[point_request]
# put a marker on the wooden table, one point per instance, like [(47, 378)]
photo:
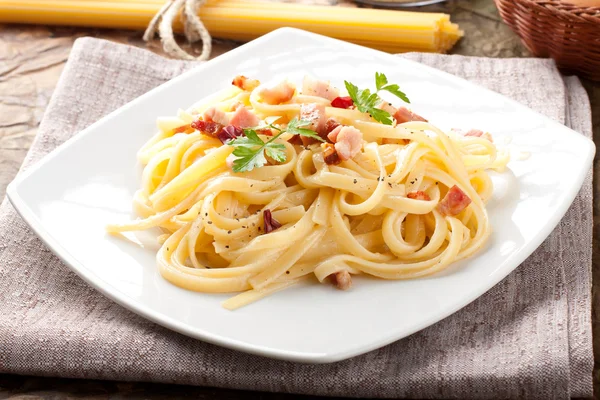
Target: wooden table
[(31, 60)]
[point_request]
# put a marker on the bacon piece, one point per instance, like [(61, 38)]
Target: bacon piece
[(341, 280), (216, 130), (228, 133), (264, 131), (348, 141), (296, 139), (213, 114), (385, 106), (330, 125), (330, 156), (453, 202), (342, 102), (316, 87), (208, 128), (243, 118), (281, 93), (403, 114), (418, 195), (182, 128), (315, 113), (244, 83), (270, 223), (332, 136)]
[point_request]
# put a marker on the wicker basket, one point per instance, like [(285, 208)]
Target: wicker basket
[(569, 34)]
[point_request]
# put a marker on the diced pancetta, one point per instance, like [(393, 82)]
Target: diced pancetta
[(418, 195), (209, 128), (348, 141), (183, 129), (228, 133), (281, 93), (330, 156), (316, 87), (244, 83), (385, 106), (332, 136), (315, 114), (403, 114), (453, 202), (341, 280), (213, 114), (244, 118), (330, 125)]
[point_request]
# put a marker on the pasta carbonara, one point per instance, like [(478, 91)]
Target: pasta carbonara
[(260, 187)]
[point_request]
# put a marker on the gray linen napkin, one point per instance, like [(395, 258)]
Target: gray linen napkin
[(530, 336)]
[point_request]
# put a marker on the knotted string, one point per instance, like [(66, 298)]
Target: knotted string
[(193, 28)]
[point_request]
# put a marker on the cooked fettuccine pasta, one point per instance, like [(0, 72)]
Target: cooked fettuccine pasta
[(260, 187)]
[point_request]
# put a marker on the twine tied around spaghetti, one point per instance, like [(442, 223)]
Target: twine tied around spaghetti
[(193, 28)]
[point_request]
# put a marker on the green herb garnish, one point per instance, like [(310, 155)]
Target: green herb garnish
[(367, 102), (250, 150)]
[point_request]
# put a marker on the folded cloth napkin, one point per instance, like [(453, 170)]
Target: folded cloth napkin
[(530, 336)]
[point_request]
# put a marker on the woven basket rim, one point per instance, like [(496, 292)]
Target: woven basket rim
[(567, 8), (567, 33)]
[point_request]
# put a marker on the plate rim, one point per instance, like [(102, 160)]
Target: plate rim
[(109, 291)]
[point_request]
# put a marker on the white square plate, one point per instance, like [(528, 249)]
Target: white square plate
[(69, 207)]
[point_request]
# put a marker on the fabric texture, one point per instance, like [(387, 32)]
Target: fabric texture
[(529, 336)]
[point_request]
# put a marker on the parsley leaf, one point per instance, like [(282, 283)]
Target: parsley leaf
[(250, 140), (380, 80), (381, 115), (367, 102), (276, 151), (248, 160), (296, 127), (250, 149), (352, 90), (395, 90)]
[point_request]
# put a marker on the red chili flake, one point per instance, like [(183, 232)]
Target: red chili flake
[(270, 223), (208, 128), (330, 156), (229, 132), (342, 102)]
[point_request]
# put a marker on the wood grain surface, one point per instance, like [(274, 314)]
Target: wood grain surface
[(31, 60)]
